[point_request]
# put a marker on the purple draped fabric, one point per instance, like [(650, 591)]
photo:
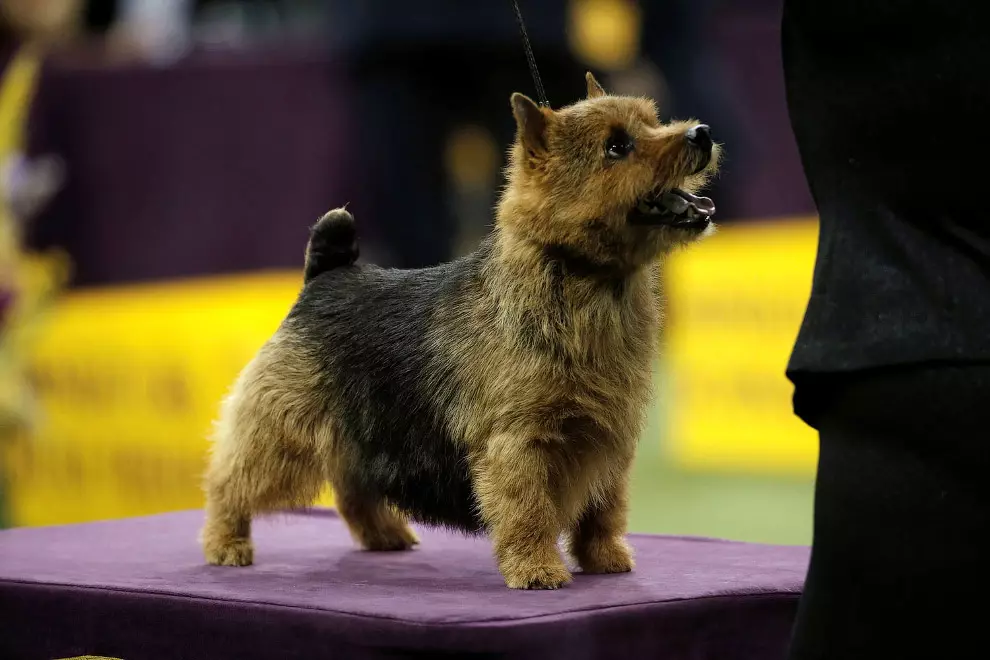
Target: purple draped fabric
[(139, 589)]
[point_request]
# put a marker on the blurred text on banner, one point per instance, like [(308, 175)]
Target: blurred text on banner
[(735, 304)]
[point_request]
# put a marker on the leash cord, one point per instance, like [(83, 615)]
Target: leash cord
[(530, 57)]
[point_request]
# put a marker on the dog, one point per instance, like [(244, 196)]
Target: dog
[(501, 393)]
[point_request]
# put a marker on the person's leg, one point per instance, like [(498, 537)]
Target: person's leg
[(902, 519)]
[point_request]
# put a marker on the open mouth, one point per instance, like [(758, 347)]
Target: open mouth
[(673, 208)]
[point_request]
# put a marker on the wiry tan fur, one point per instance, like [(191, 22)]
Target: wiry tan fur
[(547, 374)]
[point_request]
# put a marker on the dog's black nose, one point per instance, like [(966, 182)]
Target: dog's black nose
[(700, 136)]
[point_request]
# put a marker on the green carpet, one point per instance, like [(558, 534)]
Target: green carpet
[(666, 500), (745, 508)]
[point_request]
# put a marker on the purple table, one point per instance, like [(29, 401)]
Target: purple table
[(138, 589)]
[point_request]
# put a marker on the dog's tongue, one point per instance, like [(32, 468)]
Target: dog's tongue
[(678, 202)]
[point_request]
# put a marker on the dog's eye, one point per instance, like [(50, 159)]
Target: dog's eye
[(619, 144)]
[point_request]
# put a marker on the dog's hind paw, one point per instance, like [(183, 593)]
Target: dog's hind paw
[(391, 539)]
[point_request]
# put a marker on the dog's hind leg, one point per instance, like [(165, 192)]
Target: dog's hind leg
[(267, 456), (373, 523)]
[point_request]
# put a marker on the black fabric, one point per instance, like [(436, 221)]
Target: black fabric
[(902, 519), (889, 104)]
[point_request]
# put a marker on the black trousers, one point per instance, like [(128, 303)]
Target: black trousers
[(902, 518)]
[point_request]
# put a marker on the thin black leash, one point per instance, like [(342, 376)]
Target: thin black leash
[(529, 56)]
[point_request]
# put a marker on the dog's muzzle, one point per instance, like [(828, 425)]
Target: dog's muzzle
[(673, 208)]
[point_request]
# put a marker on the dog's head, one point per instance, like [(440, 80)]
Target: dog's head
[(605, 179)]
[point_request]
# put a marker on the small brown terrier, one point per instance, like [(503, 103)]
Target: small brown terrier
[(503, 392)]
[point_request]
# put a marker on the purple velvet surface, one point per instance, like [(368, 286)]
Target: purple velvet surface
[(139, 588)]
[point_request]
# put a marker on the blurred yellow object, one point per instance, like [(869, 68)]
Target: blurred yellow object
[(735, 304), (130, 380), (471, 157), (605, 34), (28, 281), (20, 79), (39, 279)]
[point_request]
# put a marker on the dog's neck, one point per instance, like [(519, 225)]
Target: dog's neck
[(539, 294), (567, 262), (560, 273)]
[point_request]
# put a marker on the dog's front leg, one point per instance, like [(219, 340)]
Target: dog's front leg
[(598, 541), (512, 482)]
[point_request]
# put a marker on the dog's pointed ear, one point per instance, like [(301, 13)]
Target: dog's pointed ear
[(594, 89), (531, 122)]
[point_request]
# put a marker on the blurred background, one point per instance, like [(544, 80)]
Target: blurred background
[(162, 160)]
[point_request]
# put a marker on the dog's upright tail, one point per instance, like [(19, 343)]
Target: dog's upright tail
[(332, 243)]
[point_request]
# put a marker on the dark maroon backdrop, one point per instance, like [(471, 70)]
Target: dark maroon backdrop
[(219, 163)]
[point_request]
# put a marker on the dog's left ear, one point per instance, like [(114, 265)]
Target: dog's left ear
[(594, 89), (531, 122)]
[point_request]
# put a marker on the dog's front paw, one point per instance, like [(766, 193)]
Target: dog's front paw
[(238, 552), (605, 556), (537, 577)]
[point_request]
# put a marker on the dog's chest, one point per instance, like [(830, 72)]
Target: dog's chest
[(607, 396), (587, 376)]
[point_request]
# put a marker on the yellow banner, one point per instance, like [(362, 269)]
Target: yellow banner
[(129, 380), (735, 304)]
